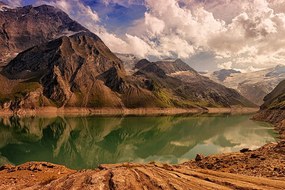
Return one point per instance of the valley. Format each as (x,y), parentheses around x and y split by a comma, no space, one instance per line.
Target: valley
(75,114)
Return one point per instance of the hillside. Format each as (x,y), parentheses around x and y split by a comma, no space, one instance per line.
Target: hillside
(276,99)
(273,108)
(189,84)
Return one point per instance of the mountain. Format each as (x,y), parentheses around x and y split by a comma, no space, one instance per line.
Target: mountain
(273,109)
(129,61)
(24,27)
(80,71)
(179,79)
(252,85)
(65,65)
(275,99)
(69,71)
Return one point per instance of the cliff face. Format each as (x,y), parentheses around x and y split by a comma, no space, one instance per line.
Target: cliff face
(28,26)
(276,99)
(273,109)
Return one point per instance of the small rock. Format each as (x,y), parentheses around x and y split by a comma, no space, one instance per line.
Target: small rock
(245,150)
(254,156)
(6,166)
(32,168)
(210,166)
(199,157)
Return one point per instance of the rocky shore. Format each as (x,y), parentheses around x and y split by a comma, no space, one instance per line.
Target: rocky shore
(129,176)
(74,111)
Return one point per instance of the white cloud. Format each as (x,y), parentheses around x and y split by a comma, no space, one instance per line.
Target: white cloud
(225,65)
(239,33)
(125,3)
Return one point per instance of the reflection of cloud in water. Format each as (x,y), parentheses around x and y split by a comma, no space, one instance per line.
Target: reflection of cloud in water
(85,142)
(246,134)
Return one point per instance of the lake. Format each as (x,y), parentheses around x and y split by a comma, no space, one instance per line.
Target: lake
(86,142)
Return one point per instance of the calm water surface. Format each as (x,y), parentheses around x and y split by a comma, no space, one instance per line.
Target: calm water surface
(86,142)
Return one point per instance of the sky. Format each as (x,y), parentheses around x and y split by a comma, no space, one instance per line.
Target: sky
(245,35)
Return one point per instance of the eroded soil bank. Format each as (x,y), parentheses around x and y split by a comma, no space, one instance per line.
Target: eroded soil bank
(52,111)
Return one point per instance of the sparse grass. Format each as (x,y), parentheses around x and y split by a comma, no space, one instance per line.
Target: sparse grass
(19,91)
(164,97)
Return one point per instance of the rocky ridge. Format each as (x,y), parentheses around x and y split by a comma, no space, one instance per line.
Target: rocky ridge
(37,25)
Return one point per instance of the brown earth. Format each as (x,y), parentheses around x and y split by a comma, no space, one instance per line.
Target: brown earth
(128,176)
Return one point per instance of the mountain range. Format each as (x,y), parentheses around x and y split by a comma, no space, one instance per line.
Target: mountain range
(252,85)
(51,60)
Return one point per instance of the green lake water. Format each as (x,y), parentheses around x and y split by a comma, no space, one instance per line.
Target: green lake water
(86,142)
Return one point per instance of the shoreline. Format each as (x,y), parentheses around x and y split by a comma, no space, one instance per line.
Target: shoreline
(262,168)
(52,111)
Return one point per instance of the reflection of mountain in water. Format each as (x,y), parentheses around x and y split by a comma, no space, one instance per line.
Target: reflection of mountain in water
(85,142)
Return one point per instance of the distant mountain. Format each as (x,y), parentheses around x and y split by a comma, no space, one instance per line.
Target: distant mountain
(129,61)
(278,71)
(224,73)
(24,27)
(183,81)
(253,85)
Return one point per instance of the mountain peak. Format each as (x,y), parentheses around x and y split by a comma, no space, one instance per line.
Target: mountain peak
(45,23)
